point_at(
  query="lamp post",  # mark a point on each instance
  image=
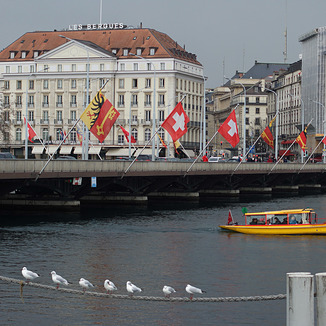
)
(302, 122)
(276, 122)
(154, 104)
(204, 115)
(324, 127)
(85, 131)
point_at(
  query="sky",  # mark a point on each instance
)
(226, 35)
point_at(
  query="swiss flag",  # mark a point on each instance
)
(229, 130)
(176, 123)
(31, 132)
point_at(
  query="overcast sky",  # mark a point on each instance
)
(222, 33)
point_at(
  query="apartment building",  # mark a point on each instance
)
(51, 76)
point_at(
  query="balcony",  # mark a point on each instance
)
(17, 122)
(58, 122)
(73, 104)
(45, 104)
(146, 122)
(121, 104)
(59, 104)
(18, 105)
(72, 121)
(161, 104)
(134, 104)
(147, 104)
(44, 121)
(30, 105)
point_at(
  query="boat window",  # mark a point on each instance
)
(256, 219)
(283, 218)
(304, 217)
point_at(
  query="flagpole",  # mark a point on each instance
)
(251, 148)
(97, 153)
(311, 154)
(51, 157)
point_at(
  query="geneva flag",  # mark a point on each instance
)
(268, 137)
(99, 116)
(229, 130)
(176, 123)
(302, 139)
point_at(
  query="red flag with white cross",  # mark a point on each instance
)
(229, 130)
(176, 123)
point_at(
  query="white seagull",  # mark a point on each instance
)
(29, 275)
(132, 288)
(109, 286)
(85, 284)
(167, 290)
(57, 279)
(193, 290)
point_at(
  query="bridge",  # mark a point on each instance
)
(72, 180)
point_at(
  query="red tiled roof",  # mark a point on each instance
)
(131, 39)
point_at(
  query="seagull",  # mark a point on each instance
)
(167, 290)
(29, 275)
(58, 279)
(193, 290)
(109, 286)
(85, 284)
(132, 288)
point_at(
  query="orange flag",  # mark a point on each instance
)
(268, 137)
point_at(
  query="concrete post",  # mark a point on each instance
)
(321, 298)
(300, 299)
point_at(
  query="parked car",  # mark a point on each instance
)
(67, 157)
(7, 156)
(215, 159)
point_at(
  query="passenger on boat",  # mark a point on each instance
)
(254, 221)
(285, 221)
(293, 220)
(268, 222)
(276, 220)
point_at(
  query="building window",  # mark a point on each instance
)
(257, 110)
(148, 100)
(247, 110)
(122, 67)
(45, 84)
(147, 134)
(31, 116)
(59, 135)
(20, 69)
(152, 51)
(161, 82)
(257, 121)
(19, 116)
(18, 134)
(18, 101)
(31, 84)
(7, 116)
(59, 115)
(121, 102)
(134, 133)
(23, 54)
(45, 101)
(73, 83)
(257, 99)
(161, 115)
(134, 100)
(149, 66)
(121, 139)
(147, 115)
(45, 115)
(162, 65)
(19, 84)
(148, 83)
(162, 134)
(138, 51)
(161, 99)
(73, 67)
(73, 100)
(31, 100)
(73, 115)
(7, 69)
(31, 68)
(125, 52)
(35, 54)
(12, 54)
(135, 66)
(134, 83)
(60, 68)
(102, 67)
(121, 83)
(134, 118)
(247, 121)
(59, 84)
(45, 134)
(73, 135)
(6, 100)
(59, 101)
(7, 84)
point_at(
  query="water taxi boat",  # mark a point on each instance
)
(290, 221)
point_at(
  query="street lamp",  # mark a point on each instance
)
(321, 104)
(302, 122)
(154, 107)
(276, 122)
(86, 131)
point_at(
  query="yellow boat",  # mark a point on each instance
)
(290, 221)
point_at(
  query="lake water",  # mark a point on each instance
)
(161, 244)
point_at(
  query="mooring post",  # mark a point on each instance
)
(321, 298)
(299, 299)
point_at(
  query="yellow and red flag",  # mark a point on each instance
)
(267, 136)
(99, 116)
(162, 141)
(302, 139)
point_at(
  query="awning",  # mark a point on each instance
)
(37, 150)
(94, 150)
(189, 152)
(65, 150)
(78, 150)
(51, 149)
(286, 142)
(118, 152)
(286, 151)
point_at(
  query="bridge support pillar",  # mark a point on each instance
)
(256, 190)
(220, 193)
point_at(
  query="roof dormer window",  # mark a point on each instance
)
(139, 51)
(114, 51)
(12, 54)
(35, 54)
(125, 52)
(152, 51)
(23, 54)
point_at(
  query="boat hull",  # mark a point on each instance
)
(277, 229)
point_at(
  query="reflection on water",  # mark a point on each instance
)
(162, 244)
